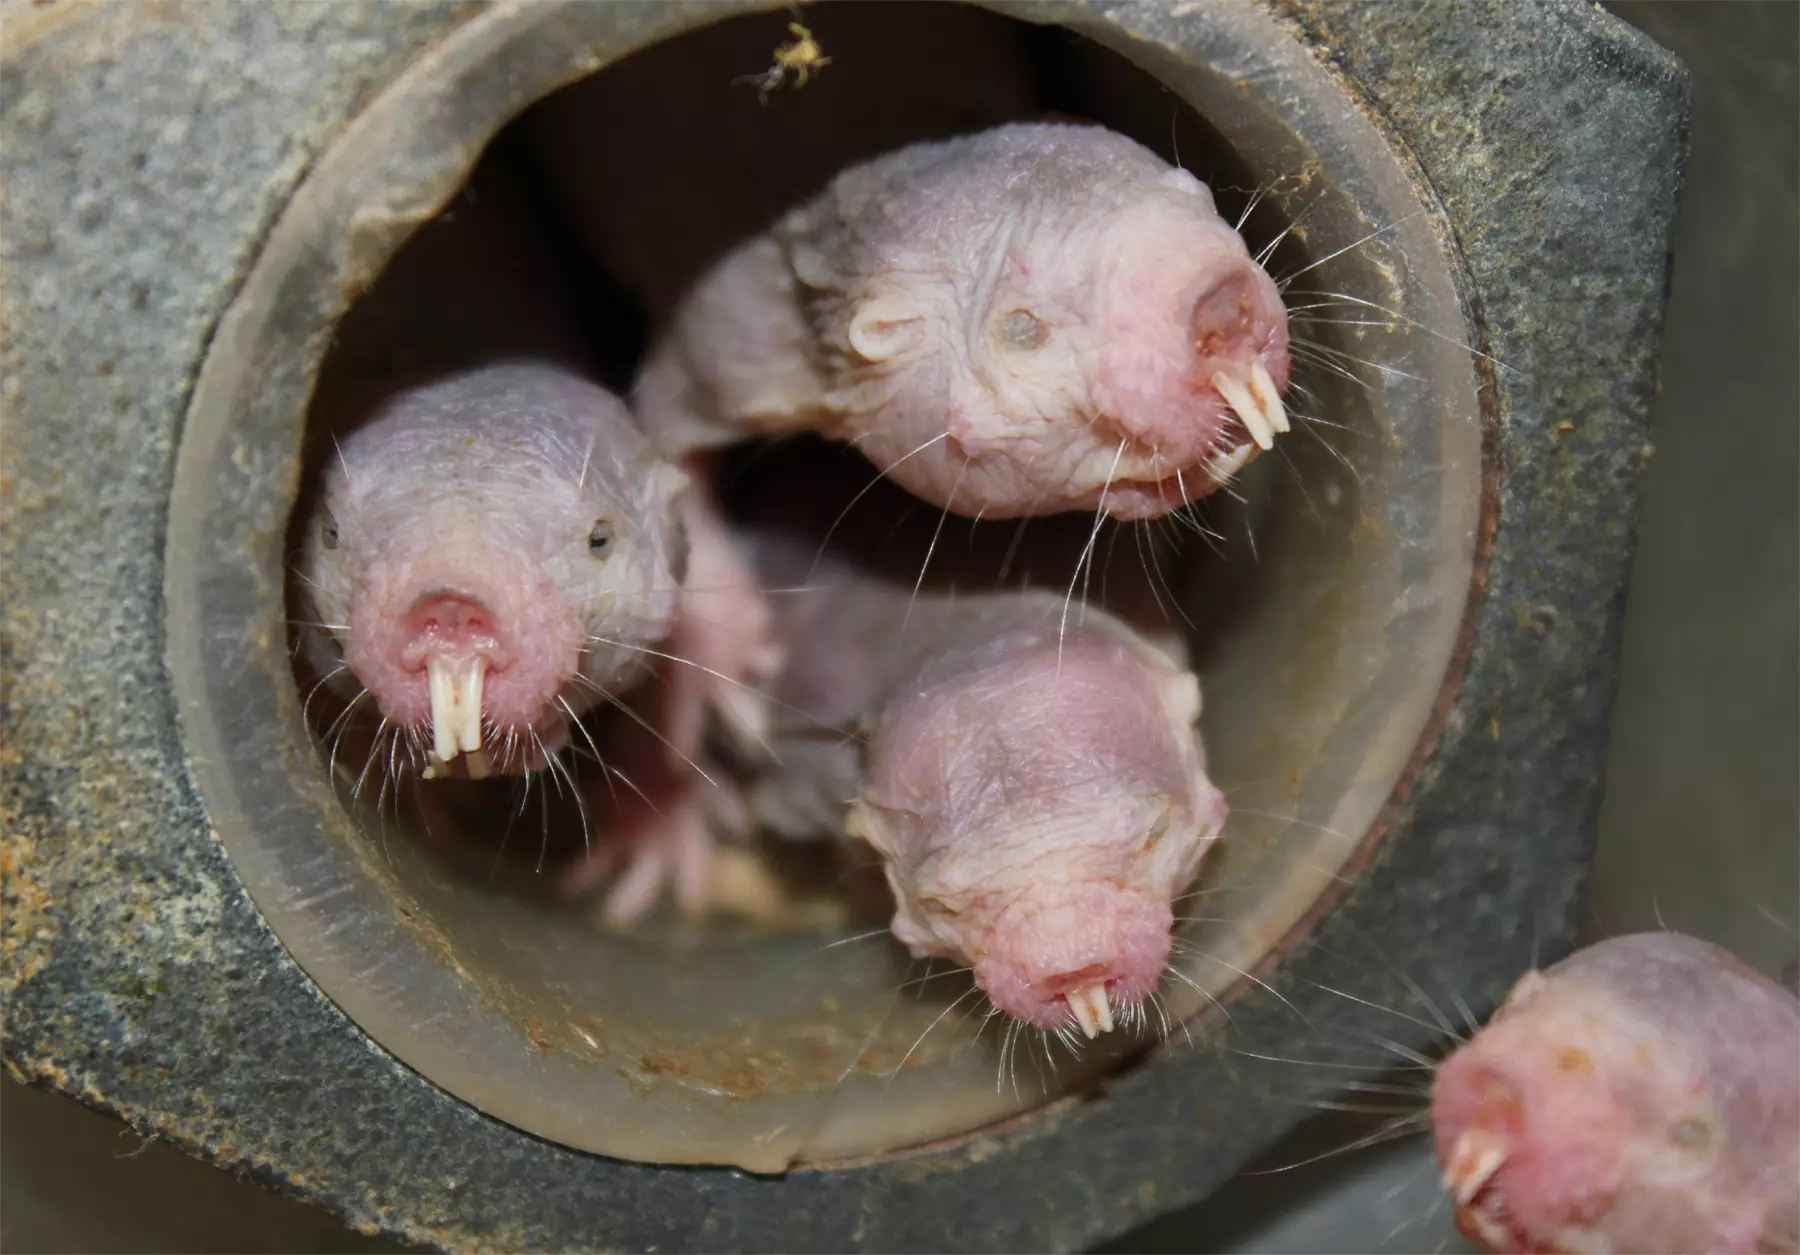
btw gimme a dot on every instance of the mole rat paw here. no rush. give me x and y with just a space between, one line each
672 849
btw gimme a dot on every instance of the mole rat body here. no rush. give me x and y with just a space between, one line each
1037 318
1642 1095
1038 795
488 553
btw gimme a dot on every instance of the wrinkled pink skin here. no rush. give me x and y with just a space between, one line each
459 519
1642 1095
1019 322
1035 814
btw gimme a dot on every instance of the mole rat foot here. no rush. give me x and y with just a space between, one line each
672 849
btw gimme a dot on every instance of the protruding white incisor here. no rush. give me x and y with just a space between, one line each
1238 398
1472 1164
455 704
1091 1010
1262 387
1226 465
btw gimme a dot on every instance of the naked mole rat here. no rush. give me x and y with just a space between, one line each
489 543
488 553
462 466
1037 792
1036 318
1642 1095
499 551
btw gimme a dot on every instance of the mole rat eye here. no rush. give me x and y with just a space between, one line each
1691 1133
600 539
328 531
1020 330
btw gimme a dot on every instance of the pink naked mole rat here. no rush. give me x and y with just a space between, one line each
1041 317
1642 1095
477 545
496 552
1037 796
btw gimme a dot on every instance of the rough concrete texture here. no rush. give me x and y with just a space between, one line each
140 978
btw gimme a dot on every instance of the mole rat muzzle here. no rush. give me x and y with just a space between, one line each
466 659
1195 356
1096 951
454 639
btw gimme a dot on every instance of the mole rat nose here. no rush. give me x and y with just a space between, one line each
1223 321
1239 328
1237 319
1477 1121
449 623
453 638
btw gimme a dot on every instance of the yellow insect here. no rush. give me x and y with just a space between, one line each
802 58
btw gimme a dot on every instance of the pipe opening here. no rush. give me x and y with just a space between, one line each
618 156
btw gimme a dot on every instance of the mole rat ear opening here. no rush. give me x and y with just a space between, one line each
886 325
1183 181
669 483
863 823
1523 991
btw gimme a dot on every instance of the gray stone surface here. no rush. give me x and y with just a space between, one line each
140 978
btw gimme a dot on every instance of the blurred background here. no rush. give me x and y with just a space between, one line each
1700 830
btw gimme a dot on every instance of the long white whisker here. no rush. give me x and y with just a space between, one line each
812 719
932 548
1249 976
556 765
1354 244
1400 1126
1087 553
832 530
647 726
605 772
1268 250
336 737
922 1036
1413 322
374 752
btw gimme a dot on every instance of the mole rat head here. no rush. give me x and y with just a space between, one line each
1106 342
1036 818
1567 1114
488 551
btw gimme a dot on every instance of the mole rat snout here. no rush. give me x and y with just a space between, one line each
1098 950
455 641
1516 1152
462 644
1195 356
1239 329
